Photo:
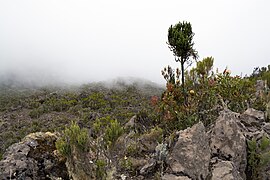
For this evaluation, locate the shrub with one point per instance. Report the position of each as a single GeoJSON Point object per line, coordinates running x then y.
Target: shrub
{"type": "Point", "coordinates": [37, 112]}
{"type": "Point", "coordinates": [73, 138]}
{"type": "Point", "coordinates": [100, 169]}
{"type": "Point", "coordinates": [110, 128]}
{"type": "Point", "coordinates": [95, 101]}
{"type": "Point", "coordinates": [208, 93]}
{"type": "Point", "coordinates": [112, 132]}
{"type": "Point", "coordinates": [258, 156]}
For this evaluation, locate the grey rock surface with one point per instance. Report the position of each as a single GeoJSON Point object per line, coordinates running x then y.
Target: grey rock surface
{"type": "Point", "coordinates": [191, 154]}
{"type": "Point", "coordinates": [174, 177]}
{"type": "Point", "coordinates": [225, 170]}
{"type": "Point", "coordinates": [228, 142]}
{"type": "Point", "coordinates": [33, 158]}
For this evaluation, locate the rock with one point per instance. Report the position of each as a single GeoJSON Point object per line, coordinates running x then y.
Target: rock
{"type": "Point", "coordinates": [81, 166]}
{"type": "Point", "coordinates": [259, 115]}
{"type": "Point", "coordinates": [251, 124]}
{"type": "Point", "coordinates": [174, 177]}
{"type": "Point", "coordinates": [131, 122]}
{"type": "Point", "coordinates": [266, 128]}
{"type": "Point", "coordinates": [260, 88]}
{"type": "Point", "coordinates": [228, 142]}
{"type": "Point", "coordinates": [138, 163]}
{"type": "Point", "coordinates": [146, 169]}
{"type": "Point", "coordinates": [149, 140]}
{"type": "Point", "coordinates": [225, 170]}
{"type": "Point", "coordinates": [33, 158]}
{"type": "Point", "coordinates": [191, 154]}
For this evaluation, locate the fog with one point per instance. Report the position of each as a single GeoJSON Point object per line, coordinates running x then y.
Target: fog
{"type": "Point", "coordinates": [68, 41]}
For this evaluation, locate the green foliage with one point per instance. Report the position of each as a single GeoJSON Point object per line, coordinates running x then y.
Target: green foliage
{"type": "Point", "coordinates": [157, 132]}
{"type": "Point", "coordinates": [209, 92]}
{"type": "Point", "coordinates": [100, 169]}
{"type": "Point", "coordinates": [100, 125]}
{"type": "Point", "coordinates": [73, 138]}
{"type": "Point", "coordinates": [111, 128]}
{"type": "Point", "coordinates": [112, 132]}
{"type": "Point", "coordinates": [132, 150]}
{"type": "Point", "coordinates": [63, 147]}
{"type": "Point", "coordinates": [180, 41]}
{"type": "Point", "coordinates": [95, 101]}
{"type": "Point", "coordinates": [262, 73]}
{"type": "Point", "coordinates": [52, 108]}
{"type": "Point", "coordinates": [60, 104]}
{"type": "Point", "coordinates": [204, 67]}
{"type": "Point", "coordinates": [126, 164]}
{"type": "Point", "coordinates": [37, 112]}
{"type": "Point", "coordinates": [34, 104]}
{"type": "Point", "coordinates": [258, 156]}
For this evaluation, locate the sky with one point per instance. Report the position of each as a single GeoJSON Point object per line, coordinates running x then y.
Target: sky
{"type": "Point", "coordinates": [79, 41]}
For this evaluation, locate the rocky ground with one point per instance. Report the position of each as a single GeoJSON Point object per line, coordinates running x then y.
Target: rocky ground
{"type": "Point", "coordinates": [217, 152]}
{"type": "Point", "coordinates": [235, 146]}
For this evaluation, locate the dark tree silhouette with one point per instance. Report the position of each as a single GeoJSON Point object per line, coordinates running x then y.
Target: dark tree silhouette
{"type": "Point", "coordinates": [180, 41]}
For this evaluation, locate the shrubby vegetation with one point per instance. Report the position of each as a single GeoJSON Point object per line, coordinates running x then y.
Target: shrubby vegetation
{"type": "Point", "coordinates": [258, 156]}
{"type": "Point", "coordinates": [97, 114]}
{"type": "Point", "coordinates": [207, 93]}
{"type": "Point", "coordinates": [200, 93]}
{"type": "Point", "coordinates": [74, 139]}
{"type": "Point", "coordinates": [23, 111]}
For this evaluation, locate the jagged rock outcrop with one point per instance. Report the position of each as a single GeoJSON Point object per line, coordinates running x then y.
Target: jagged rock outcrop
{"type": "Point", "coordinates": [218, 152]}
{"type": "Point", "coordinates": [33, 158]}
{"type": "Point", "coordinates": [191, 154]}
{"type": "Point", "coordinates": [228, 142]}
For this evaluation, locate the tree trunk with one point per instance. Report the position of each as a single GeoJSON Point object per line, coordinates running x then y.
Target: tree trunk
{"type": "Point", "coordinates": [183, 81]}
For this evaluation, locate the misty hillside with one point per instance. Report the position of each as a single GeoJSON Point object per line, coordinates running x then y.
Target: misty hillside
{"type": "Point", "coordinates": [134, 128]}
{"type": "Point", "coordinates": [25, 109]}
{"type": "Point", "coordinates": [85, 93]}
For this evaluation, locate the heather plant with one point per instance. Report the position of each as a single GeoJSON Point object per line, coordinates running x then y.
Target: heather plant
{"type": "Point", "coordinates": [110, 129]}
{"type": "Point", "coordinates": [112, 132]}
{"type": "Point", "coordinates": [100, 169]}
{"type": "Point", "coordinates": [258, 156]}
{"type": "Point", "coordinates": [95, 101]}
{"type": "Point", "coordinates": [207, 93]}
{"type": "Point", "coordinates": [74, 138]}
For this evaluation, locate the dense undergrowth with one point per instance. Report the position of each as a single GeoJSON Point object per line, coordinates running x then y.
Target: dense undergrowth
{"type": "Point", "coordinates": [207, 93]}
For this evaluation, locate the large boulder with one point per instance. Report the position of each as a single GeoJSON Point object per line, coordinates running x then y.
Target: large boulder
{"type": "Point", "coordinates": [34, 157]}
{"type": "Point", "coordinates": [191, 154]}
{"type": "Point", "coordinates": [225, 170]}
{"type": "Point", "coordinates": [228, 142]}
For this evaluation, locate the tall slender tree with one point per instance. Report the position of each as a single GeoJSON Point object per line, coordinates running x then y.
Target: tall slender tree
{"type": "Point", "coordinates": [180, 41]}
